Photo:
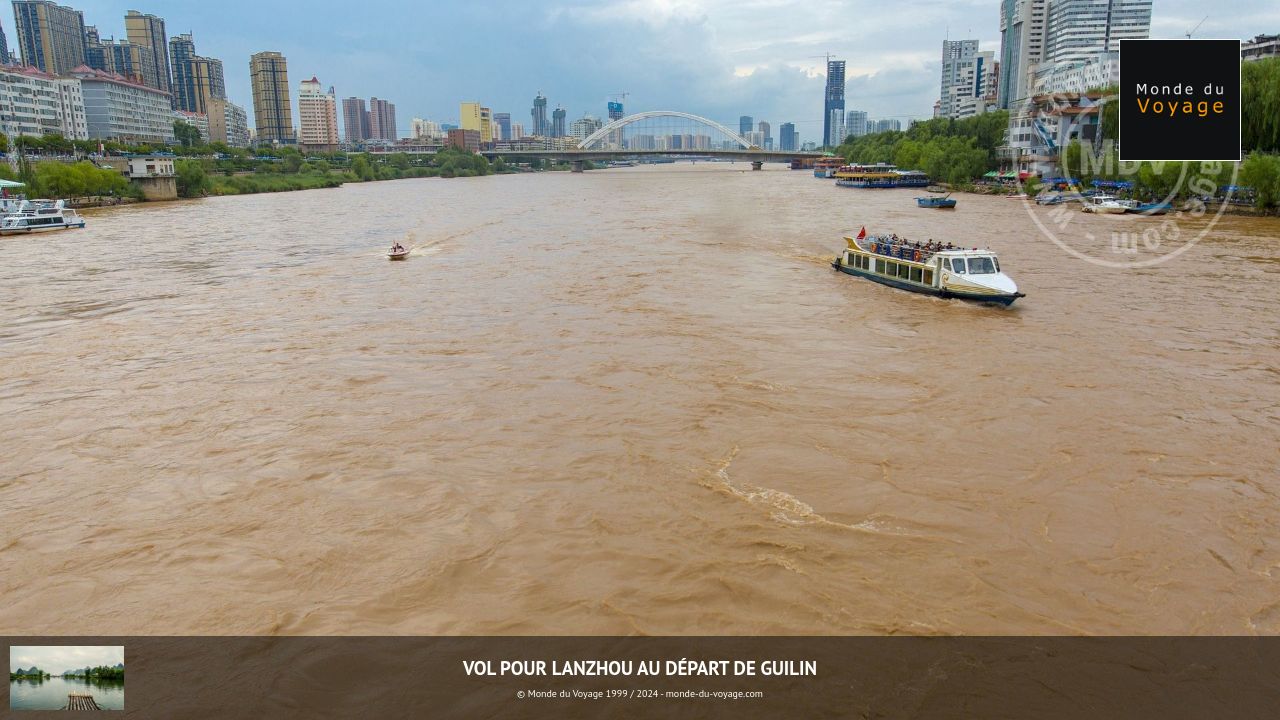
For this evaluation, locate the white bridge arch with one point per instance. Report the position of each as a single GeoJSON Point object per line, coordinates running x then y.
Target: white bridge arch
{"type": "Point", "coordinates": [617, 125]}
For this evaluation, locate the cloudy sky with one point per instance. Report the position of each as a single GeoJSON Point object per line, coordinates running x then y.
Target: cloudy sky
{"type": "Point", "coordinates": [57, 659]}
{"type": "Point", "coordinates": [717, 58]}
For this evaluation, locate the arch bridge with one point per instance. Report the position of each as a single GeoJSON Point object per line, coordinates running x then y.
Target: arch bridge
{"type": "Point", "coordinates": [608, 143]}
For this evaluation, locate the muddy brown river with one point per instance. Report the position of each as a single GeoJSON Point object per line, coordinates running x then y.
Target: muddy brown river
{"type": "Point", "coordinates": [628, 401]}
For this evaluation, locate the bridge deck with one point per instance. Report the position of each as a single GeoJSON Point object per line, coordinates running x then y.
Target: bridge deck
{"type": "Point", "coordinates": [81, 702]}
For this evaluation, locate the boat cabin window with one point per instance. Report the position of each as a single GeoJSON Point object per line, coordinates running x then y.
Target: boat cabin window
{"type": "Point", "coordinates": [880, 266]}
{"type": "Point", "coordinates": [903, 270]}
{"type": "Point", "coordinates": [957, 265]}
{"type": "Point", "coordinates": [981, 266]}
{"type": "Point", "coordinates": [915, 274]}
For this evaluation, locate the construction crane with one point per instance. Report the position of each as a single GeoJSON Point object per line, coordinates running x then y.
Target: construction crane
{"type": "Point", "coordinates": [1197, 27]}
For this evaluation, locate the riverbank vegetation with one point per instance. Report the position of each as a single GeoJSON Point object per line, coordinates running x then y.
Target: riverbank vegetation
{"type": "Point", "coordinates": [31, 673]}
{"type": "Point", "coordinates": [100, 672]}
{"type": "Point", "coordinates": [69, 180]}
{"type": "Point", "coordinates": [954, 151]}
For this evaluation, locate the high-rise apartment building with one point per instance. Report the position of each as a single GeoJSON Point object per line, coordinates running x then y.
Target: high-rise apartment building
{"type": "Point", "coordinates": [136, 62]}
{"type": "Point", "coordinates": [148, 31]}
{"type": "Point", "coordinates": [517, 131]}
{"type": "Point", "coordinates": [766, 133]}
{"type": "Point", "coordinates": [317, 117]}
{"type": "Point", "coordinates": [355, 120]}
{"type": "Point", "coordinates": [558, 122]}
{"type": "Point", "coordinates": [746, 124]}
{"type": "Point", "coordinates": [272, 110]}
{"type": "Point", "coordinates": [382, 120]}
{"type": "Point", "coordinates": [181, 49]}
{"type": "Point", "coordinates": [541, 128]}
{"type": "Point", "coordinates": [1022, 36]}
{"type": "Point", "coordinates": [1080, 30]}
{"type": "Point", "coordinates": [833, 104]}
{"type": "Point", "coordinates": [502, 126]}
{"type": "Point", "coordinates": [197, 80]}
{"type": "Point", "coordinates": [4, 47]}
{"type": "Point", "coordinates": [50, 36]}
{"type": "Point", "coordinates": [855, 123]}
{"type": "Point", "coordinates": [967, 75]}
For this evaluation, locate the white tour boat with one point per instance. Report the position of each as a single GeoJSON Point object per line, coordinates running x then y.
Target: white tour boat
{"type": "Point", "coordinates": [949, 273]}
{"type": "Point", "coordinates": [40, 216]}
{"type": "Point", "coordinates": [1108, 205]}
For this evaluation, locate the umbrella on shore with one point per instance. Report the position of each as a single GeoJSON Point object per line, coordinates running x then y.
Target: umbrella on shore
{"type": "Point", "coordinates": [10, 183]}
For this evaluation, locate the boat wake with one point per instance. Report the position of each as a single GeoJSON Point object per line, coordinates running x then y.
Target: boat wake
{"type": "Point", "coordinates": [787, 508]}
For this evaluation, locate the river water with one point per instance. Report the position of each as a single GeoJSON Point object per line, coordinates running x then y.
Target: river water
{"type": "Point", "coordinates": [627, 401]}
{"type": "Point", "coordinates": [51, 694]}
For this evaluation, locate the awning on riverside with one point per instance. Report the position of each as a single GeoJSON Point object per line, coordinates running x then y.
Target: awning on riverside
{"type": "Point", "coordinates": [10, 183]}
{"type": "Point", "coordinates": [1009, 175]}
{"type": "Point", "coordinates": [993, 173]}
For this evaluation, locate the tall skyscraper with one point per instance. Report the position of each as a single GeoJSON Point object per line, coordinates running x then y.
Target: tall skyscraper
{"type": "Point", "coordinates": [1022, 27]}
{"type": "Point", "coordinates": [1079, 30]}
{"type": "Point", "coordinates": [765, 132]}
{"type": "Point", "coordinates": [148, 31]}
{"type": "Point", "coordinates": [745, 125]}
{"type": "Point", "coordinates": [208, 82]}
{"type": "Point", "coordinates": [50, 36]}
{"type": "Point", "coordinates": [382, 120]}
{"type": "Point", "coordinates": [317, 117]}
{"type": "Point", "coordinates": [502, 121]}
{"type": "Point", "coordinates": [355, 120]}
{"type": "Point", "coordinates": [558, 122]}
{"type": "Point", "coordinates": [181, 49]}
{"type": "Point", "coordinates": [833, 103]}
{"type": "Point", "coordinates": [787, 137]}
{"type": "Point", "coordinates": [272, 111]}
{"type": "Point", "coordinates": [539, 113]}
{"type": "Point", "coordinates": [4, 47]}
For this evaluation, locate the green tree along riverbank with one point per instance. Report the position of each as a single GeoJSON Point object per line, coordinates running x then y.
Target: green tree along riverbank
{"type": "Point", "coordinates": [48, 169]}
{"type": "Point", "coordinates": [954, 151]}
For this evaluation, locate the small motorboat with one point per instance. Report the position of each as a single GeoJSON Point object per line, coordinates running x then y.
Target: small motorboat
{"type": "Point", "coordinates": [943, 203]}
{"type": "Point", "coordinates": [1050, 199]}
{"type": "Point", "coordinates": [1159, 208]}
{"type": "Point", "coordinates": [1108, 205]}
{"type": "Point", "coordinates": [398, 252]}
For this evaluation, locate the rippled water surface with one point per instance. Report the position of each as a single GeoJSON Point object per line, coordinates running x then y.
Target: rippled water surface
{"type": "Point", "coordinates": [630, 401]}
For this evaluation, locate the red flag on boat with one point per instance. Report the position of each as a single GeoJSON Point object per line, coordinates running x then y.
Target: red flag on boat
{"type": "Point", "coordinates": [863, 232]}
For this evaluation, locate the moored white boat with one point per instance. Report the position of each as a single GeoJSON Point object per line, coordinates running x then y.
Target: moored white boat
{"type": "Point", "coordinates": [949, 273]}
{"type": "Point", "coordinates": [40, 216]}
{"type": "Point", "coordinates": [1107, 205]}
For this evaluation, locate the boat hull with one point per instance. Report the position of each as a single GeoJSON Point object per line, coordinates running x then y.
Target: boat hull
{"type": "Point", "coordinates": [41, 228]}
{"type": "Point", "coordinates": [397, 256]}
{"type": "Point", "coordinates": [1001, 299]}
{"type": "Point", "coordinates": [936, 203]}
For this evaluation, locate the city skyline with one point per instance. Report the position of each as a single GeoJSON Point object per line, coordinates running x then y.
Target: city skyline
{"type": "Point", "coordinates": [728, 60]}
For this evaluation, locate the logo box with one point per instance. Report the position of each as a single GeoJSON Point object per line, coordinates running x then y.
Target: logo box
{"type": "Point", "coordinates": [1180, 100]}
